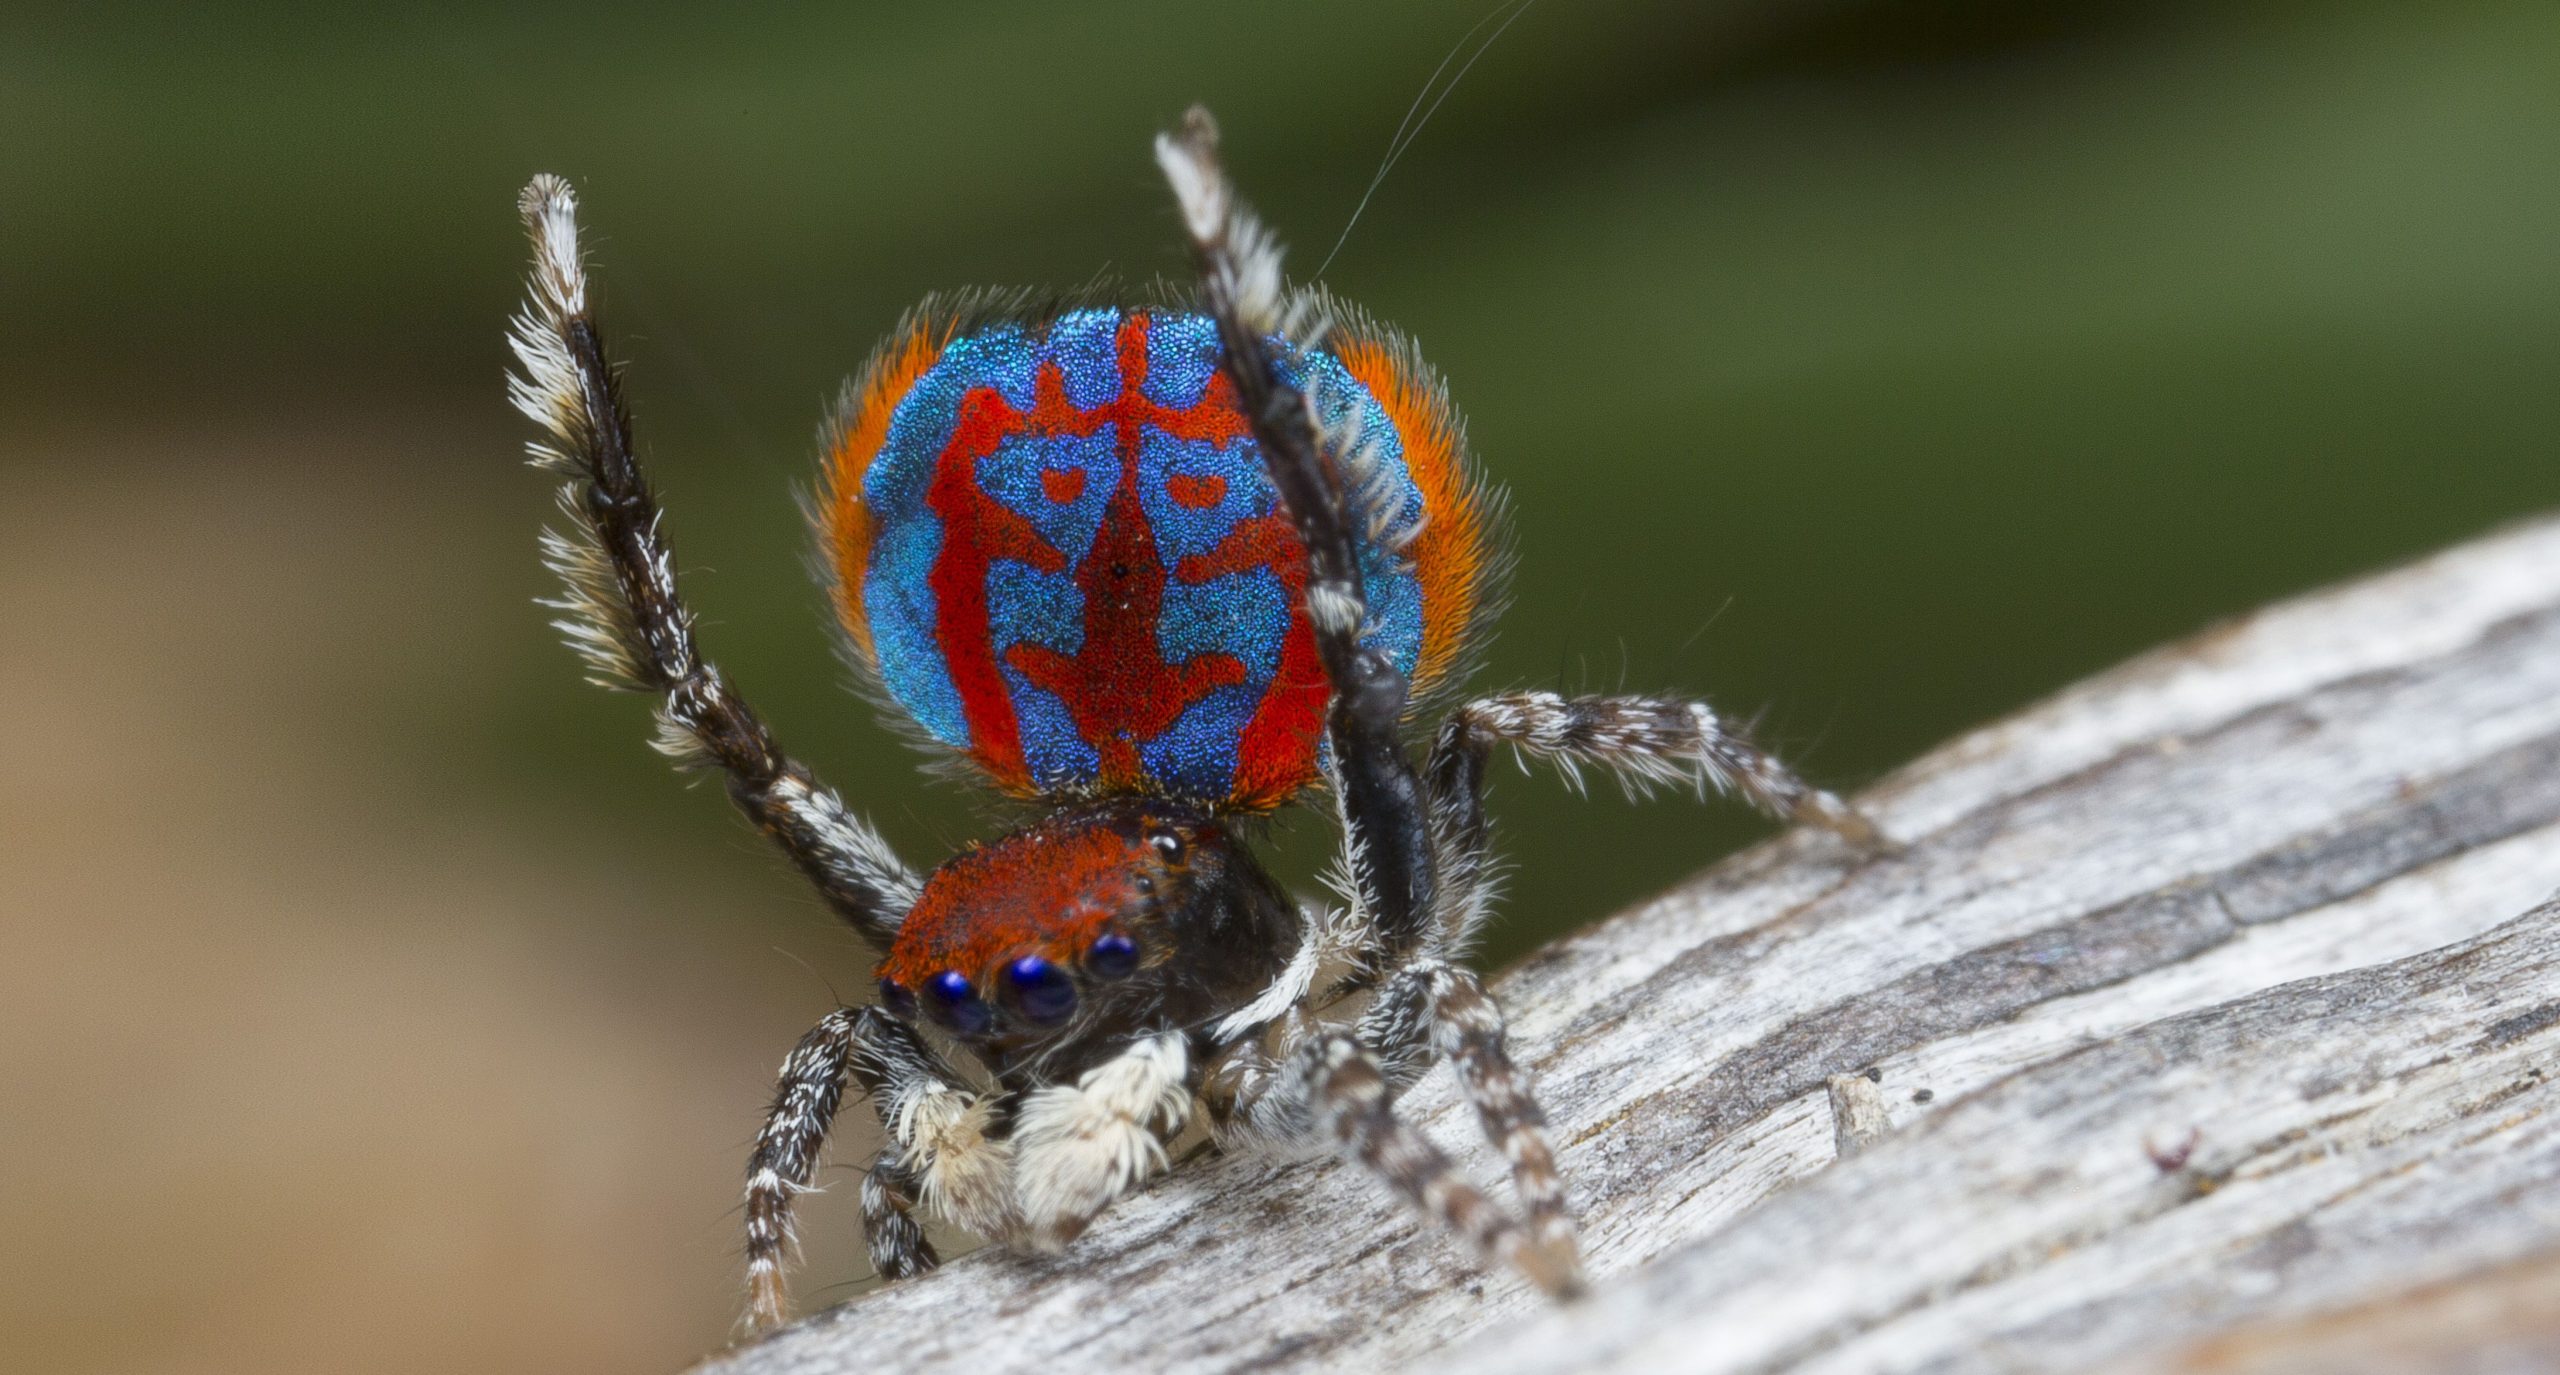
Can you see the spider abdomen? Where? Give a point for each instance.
(1061, 548)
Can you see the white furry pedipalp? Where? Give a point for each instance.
(959, 1172)
(1076, 1149)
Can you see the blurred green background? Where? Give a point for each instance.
(370, 997)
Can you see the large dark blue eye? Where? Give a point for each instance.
(1113, 956)
(1042, 992)
(895, 997)
(956, 1003)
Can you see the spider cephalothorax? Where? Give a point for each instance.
(1160, 569)
(1046, 950)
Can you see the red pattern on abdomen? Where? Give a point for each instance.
(1117, 687)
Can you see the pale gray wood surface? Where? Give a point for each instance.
(2211, 1013)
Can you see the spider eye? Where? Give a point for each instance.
(895, 997)
(956, 1003)
(1168, 846)
(1041, 991)
(1113, 956)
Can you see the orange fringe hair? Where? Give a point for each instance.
(861, 426)
(1453, 552)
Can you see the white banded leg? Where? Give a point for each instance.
(890, 1233)
(620, 607)
(1448, 1006)
(1350, 1102)
(1645, 741)
(1241, 290)
(937, 1129)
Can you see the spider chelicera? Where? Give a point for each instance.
(1159, 569)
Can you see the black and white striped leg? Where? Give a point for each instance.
(889, 1229)
(939, 1147)
(1352, 1104)
(1435, 1008)
(1645, 741)
(786, 1156)
(621, 611)
(1240, 287)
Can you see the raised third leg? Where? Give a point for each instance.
(1643, 740)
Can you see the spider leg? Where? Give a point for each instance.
(1334, 1085)
(1077, 1148)
(622, 611)
(1382, 799)
(1435, 1007)
(1316, 1087)
(1643, 740)
(939, 1149)
(889, 1230)
(1343, 1091)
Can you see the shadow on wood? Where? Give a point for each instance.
(2211, 1014)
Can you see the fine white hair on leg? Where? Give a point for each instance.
(1467, 900)
(1240, 256)
(1078, 1148)
(938, 1145)
(559, 386)
(1325, 942)
(549, 206)
(1646, 742)
(897, 1246)
(1335, 610)
(1199, 184)
(963, 1174)
(1347, 876)
(1353, 1104)
(858, 854)
(550, 390)
(621, 610)
(1374, 489)
(1469, 877)
(1259, 1037)
(1273, 1114)
(786, 1155)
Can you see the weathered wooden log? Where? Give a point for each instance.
(2209, 1020)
